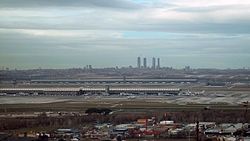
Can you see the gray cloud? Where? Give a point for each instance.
(124, 4)
(79, 32)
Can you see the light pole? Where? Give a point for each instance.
(245, 104)
(197, 130)
(197, 122)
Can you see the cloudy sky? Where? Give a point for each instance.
(107, 33)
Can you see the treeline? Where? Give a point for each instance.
(46, 122)
(103, 111)
(215, 115)
(99, 116)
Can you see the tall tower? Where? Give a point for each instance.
(138, 62)
(144, 62)
(158, 63)
(153, 63)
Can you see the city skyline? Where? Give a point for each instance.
(63, 34)
(153, 64)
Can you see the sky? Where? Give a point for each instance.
(109, 33)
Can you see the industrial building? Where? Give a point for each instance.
(91, 90)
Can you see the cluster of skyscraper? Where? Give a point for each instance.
(144, 65)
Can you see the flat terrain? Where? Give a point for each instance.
(216, 97)
(81, 103)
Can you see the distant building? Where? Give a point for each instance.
(153, 63)
(90, 67)
(144, 62)
(158, 63)
(187, 68)
(138, 62)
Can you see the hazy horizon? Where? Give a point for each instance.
(67, 34)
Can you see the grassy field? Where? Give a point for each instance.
(125, 105)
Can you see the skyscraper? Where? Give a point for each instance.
(153, 63)
(144, 62)
(138, 62)
(158, 63)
